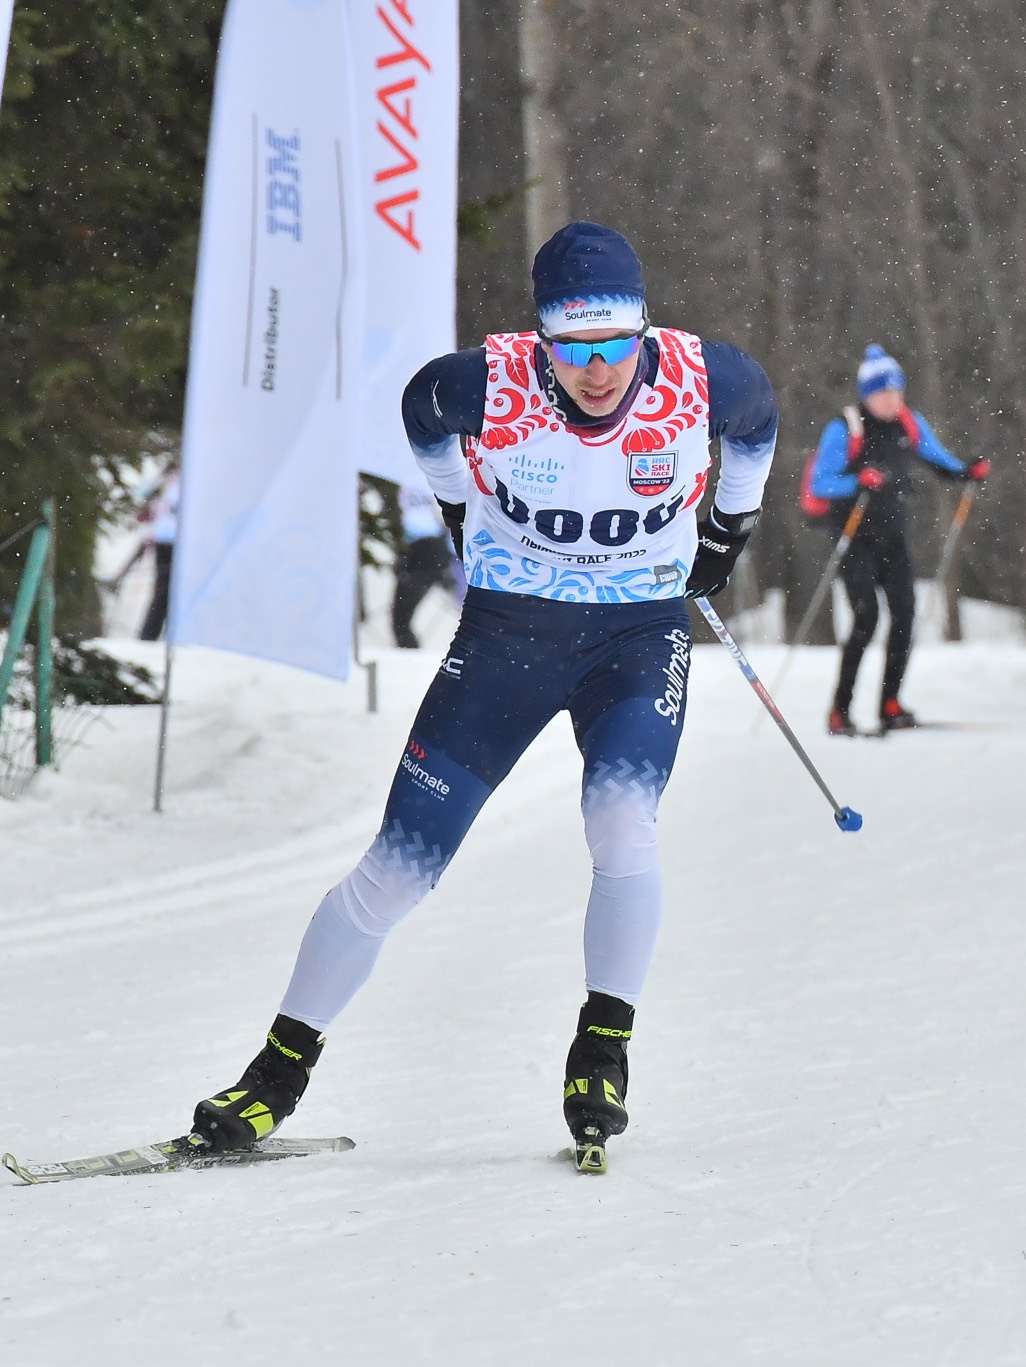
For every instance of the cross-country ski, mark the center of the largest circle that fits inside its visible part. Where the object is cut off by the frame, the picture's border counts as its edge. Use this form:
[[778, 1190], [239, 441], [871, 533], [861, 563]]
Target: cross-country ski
[[169, 1155]]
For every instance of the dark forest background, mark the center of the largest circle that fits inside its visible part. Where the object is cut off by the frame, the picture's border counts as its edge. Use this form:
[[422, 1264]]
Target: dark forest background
[[802, 178]]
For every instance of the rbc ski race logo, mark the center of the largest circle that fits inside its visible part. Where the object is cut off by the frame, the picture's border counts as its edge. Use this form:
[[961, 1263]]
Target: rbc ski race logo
[[652, 474]]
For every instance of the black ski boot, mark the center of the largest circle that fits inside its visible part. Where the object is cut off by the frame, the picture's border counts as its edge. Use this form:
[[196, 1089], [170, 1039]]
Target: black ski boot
[[596, 1078], [266, 1094]]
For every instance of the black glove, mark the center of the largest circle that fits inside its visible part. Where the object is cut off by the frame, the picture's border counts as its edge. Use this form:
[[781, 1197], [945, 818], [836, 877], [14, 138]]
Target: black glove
[[453, 515], [721, 539]]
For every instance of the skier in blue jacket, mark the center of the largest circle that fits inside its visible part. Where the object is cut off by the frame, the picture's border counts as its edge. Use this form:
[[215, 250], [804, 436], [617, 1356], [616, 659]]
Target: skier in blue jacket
[[569, 463], [871, 449]]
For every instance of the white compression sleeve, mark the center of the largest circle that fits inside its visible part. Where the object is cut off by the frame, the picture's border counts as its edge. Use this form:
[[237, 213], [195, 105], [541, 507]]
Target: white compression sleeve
[[625, 906], [342, 942]]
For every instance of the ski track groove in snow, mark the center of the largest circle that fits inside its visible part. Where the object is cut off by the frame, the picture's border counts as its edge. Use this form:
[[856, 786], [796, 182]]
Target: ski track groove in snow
[[129, 904]]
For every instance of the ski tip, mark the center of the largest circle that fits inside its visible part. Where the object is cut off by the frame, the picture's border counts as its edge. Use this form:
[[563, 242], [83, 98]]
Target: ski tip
[[848, 819]]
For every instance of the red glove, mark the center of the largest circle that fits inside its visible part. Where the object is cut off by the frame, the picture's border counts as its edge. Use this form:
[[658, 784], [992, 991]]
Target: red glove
[[978, 468], [872, 478]]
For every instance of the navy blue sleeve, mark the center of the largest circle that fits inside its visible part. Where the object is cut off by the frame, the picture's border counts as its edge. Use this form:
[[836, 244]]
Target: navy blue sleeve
[[742, 405], [743, 414], [446, 398]]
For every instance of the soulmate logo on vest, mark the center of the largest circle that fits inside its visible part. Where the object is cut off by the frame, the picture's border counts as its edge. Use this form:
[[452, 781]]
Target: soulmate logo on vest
[[652, 474]]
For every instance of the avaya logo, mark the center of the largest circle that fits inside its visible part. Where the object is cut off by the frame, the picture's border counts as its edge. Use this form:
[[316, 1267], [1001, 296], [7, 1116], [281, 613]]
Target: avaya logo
[[400, 130], [417, 751]]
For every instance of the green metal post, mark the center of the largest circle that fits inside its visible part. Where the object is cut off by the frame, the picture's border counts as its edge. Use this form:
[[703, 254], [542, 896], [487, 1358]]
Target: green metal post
[[44, 647], [35, 563]]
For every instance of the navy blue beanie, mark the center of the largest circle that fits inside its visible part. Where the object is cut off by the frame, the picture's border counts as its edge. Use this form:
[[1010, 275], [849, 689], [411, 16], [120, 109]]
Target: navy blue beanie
[[587, 276]]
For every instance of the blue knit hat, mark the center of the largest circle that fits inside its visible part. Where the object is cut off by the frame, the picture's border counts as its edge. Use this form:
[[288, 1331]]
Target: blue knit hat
[[879, 371], [587, 276]]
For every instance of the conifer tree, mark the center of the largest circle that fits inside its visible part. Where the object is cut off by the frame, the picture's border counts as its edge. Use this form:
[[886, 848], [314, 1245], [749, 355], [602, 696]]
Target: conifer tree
[[103, 135]]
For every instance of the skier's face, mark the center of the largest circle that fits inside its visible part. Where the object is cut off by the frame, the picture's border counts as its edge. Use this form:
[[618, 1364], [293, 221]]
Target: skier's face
[[884, 404], [598, 386]]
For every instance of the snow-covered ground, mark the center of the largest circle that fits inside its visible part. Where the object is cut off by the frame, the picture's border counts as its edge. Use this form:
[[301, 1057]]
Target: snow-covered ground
[[826, 1162]]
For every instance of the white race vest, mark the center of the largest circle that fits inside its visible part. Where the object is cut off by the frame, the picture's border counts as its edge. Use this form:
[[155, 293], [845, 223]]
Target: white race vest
[[608, 518]]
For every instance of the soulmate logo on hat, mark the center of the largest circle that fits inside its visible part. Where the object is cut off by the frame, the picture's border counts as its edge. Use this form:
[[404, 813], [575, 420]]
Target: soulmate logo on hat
[[625, 314]]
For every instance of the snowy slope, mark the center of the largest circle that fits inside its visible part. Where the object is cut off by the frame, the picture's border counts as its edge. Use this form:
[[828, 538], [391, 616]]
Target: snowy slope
[[827, 1154]]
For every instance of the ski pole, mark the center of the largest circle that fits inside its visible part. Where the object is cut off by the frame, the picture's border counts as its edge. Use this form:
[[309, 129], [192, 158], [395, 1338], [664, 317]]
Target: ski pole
[[947, 554], [846, 817], [851, 526]]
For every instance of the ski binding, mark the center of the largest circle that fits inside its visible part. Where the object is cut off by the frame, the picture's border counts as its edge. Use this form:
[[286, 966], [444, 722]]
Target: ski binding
[[171, 1155], [589, 1151]]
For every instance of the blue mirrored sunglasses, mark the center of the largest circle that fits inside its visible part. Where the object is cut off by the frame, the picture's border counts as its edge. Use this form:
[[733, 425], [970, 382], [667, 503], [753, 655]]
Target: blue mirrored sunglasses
[[580, 353]]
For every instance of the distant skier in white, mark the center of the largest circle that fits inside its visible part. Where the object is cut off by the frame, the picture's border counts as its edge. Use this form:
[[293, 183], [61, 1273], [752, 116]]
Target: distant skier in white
[[573, 510]]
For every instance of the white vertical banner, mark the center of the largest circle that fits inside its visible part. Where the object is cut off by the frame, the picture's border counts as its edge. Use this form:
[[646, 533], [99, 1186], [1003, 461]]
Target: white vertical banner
[[326, 278], [266, 553], [6, 15], [406, 75]]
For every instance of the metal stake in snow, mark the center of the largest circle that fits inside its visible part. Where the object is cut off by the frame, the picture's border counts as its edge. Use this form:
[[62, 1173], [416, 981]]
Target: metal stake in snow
[[846, 817]]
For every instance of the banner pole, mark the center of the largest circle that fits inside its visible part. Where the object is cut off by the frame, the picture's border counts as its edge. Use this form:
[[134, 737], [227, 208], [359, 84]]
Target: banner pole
[[371, 666], [165, 708]]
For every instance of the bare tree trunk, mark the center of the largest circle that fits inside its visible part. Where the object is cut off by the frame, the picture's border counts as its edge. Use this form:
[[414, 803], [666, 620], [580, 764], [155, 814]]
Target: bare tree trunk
[[905, 169], [792, 77], [541, 25]]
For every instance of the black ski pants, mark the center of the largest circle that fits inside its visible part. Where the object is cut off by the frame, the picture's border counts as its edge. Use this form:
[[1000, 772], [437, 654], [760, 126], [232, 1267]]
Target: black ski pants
[[156, 613], [872, 563], [419, 566]]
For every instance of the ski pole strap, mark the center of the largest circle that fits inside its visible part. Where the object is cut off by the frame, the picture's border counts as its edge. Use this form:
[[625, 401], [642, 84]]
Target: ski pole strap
[[846, 818]]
